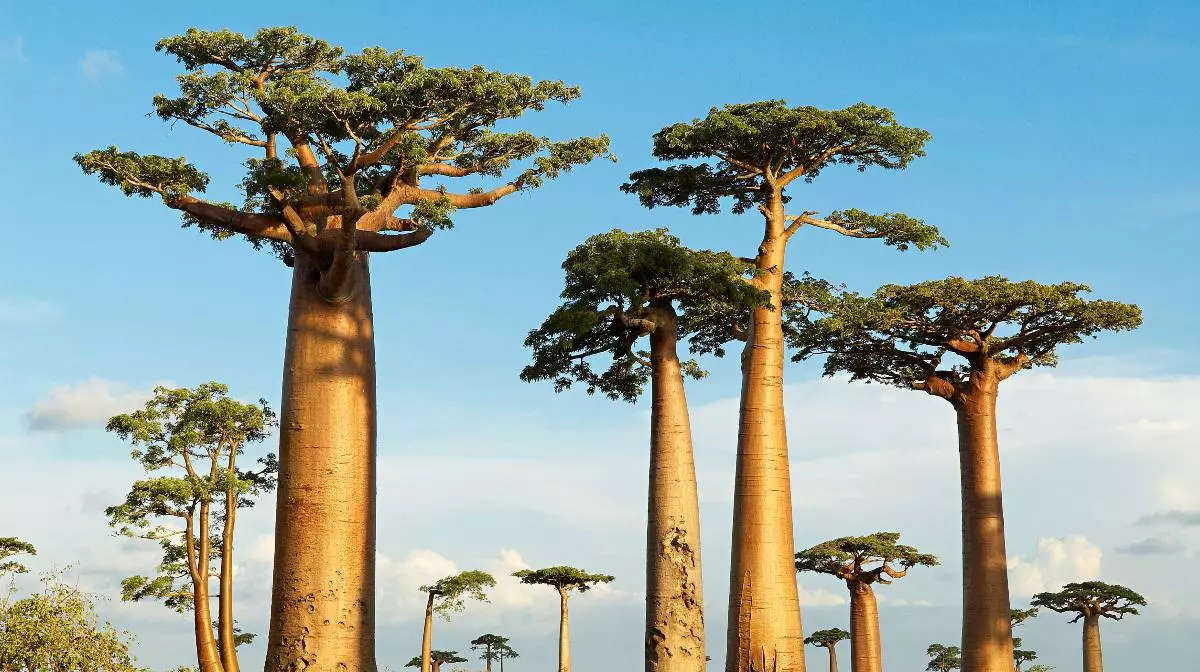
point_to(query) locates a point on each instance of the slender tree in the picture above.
(828, 639)
(621, 287)
(564, 580)
(503, 652)
(994, 328)
(491, 648)
(347, 146)
(12, 546)
(447, 596)
(1040, 668)
(757, 151)
(1021, 656)
(1090, 601)
(189, 442)
(850, 559)
(943, 658)
(436, 661)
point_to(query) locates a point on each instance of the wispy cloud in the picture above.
(1164, 545)
(1174, 517)
(98, 64)
(86, 404)
(13, 49)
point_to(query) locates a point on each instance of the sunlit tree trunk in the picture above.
(427, 635)
(225, 599)
(323, 598)
(764, 631)
(564, 644)
(674, 601)
(1092, 658)
(986, 634)
(833, 658)
(865, 651)
(207, 657)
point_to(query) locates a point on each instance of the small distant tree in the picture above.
(828, 639)
(194, 438)
(436, 660)
(992, 328)
(504, 651)
(862, 562)
(1040, 668)
(12, 546)
(448, 595)
(1090, 601)
(564, 580)
(491, 648)
(943, 658)
(1021, 656)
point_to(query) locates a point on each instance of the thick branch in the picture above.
(247, 223)
(938, 386)
(371, 241)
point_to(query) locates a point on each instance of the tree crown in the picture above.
(1092, 598)
(847, 558)
(942, 658)
(826, 638)
(563, 578)
(437, 658)
(900, 335)
(9, 547)
(1018, 616)
(450, 593)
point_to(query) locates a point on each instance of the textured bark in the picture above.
(427, 634)
(564, 644)
(323, 592)
(225, 599)
(1092, 659)
(674, 599)
(865, 651)
(764, 631)
(833, 658)
(207, 657)
(986, 634)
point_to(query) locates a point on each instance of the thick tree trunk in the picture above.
(225, 599)
(323, 592)
(764, 631)
(833, 658)
(674, 600)
(564, 644)
(207, 657)
(1093, 661)
(865, 651)
(987, 634)
(427, 635)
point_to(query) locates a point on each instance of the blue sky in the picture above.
(1063, 148)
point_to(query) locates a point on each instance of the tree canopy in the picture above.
(438, 658)
(12, 546)
(900, 335)
(490, 644)
(1092, 598)
(611, 282)
(942, 658)
(563, 578)
(826, 638)
(1019, 616)
(847, 558)
(449, 594)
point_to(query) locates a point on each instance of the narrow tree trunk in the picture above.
(487, 660)
(564, 644)
(833, 658)
(865, 651)
(207, 657)
(225, 599)
(987, 633)
(1092, 659)
(427, 635)
(501, 663)
(764, 630)
(323, 592)
(674, 599)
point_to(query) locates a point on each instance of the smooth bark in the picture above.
(1092, 658)
(764, 630)
(865, 651)
(427, 634)
(225, 636)
(323, 589)
(207, 657)
(564, 644)
(986, 633)
(833, 658)
(674, 598)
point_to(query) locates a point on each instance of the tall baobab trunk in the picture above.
(207, 657)
(833, 658)
(865, 651)
(225, 599)
(323, 596)
(564, 644)
(987, 633)
(487, 659)
(1092, 658)
(427, 635)
(674, 601)
(764, 631)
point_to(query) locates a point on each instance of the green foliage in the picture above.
(943, 658)
(1040, 668)
(1092, 598)
(900, 335)
(196, 435)
(505, 652)
(450, 593)
(896, 229)
(438, 658)
(1018, 616)
(57, 629)
(847, 557)
(10, 546)
(143, 175)
(826, 638)
(563, 578)
(1022, 656)
(613, 283)
(491, 645)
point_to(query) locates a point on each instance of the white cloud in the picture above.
(98, 63)
(88, 404)
(25, 312)
(1057, 562)
(819, 597)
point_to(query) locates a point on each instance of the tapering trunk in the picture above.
(564, 644)
(865, 652)
(1092, 659)
(674, 600)
(986, 634)
(225, 599)
(323, 592)
(833, 658)
(208, 659)
(501, 663)
(487, 660)
(427, 635)
(764, 630)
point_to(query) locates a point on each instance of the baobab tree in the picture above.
(188, 441)
(1090, 601)
(491, 648)
(436, 660)
(621, 288)
(12, 546)
(850, 559)
(993, 328)
(564, 580)
(447, 596)
(943, 658)
(356, 154)
(504, 651)
(1021, 656)
(757, 151)
(828, 639)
